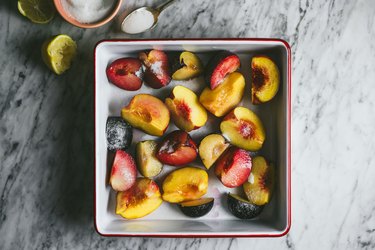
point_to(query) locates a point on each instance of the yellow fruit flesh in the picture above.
(192, 69)
(184, 184)
(147, 113)
(147, 163)
(185, 74)
(195, 203)
(270, 76)
(261, 182)
(140, 210)
(231, 129)
(186, 111)
(210, 148)
(225, 96)
(142, 199)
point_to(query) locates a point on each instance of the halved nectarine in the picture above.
(147, 113)
(186, 111)
(124, 171)
(219, 66)
(261, 181)
(233, 167)
(184, 184)
(244, 129)
(140, 200)
(225, 96)
(265, 79)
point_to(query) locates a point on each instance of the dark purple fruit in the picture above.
(197, 208)
(241, 208)
(119, 134)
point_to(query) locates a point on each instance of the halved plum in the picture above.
(119, 133)
(157, 69)
(210, 149)
(148, 164)
(126, 73)
(177, 149)
(242, 208)
(197, 208)
(219, 66)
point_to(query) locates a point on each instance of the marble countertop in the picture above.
(46, 128)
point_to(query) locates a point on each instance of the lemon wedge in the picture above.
(38, 11)
(58, 53)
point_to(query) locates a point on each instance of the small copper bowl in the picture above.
(71, 20)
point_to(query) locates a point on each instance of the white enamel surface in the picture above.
(167, 219)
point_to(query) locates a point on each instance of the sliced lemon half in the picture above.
(38, 11)
(58, 53)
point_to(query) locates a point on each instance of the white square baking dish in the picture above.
(167, 221)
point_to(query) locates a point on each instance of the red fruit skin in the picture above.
(219, 66)
(157, 69)
(177, 149)
(124, 171)
(125, 73)
(233, 167)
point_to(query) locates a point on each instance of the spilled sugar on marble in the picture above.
(88, 11)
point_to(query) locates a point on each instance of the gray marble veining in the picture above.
(46, 123)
